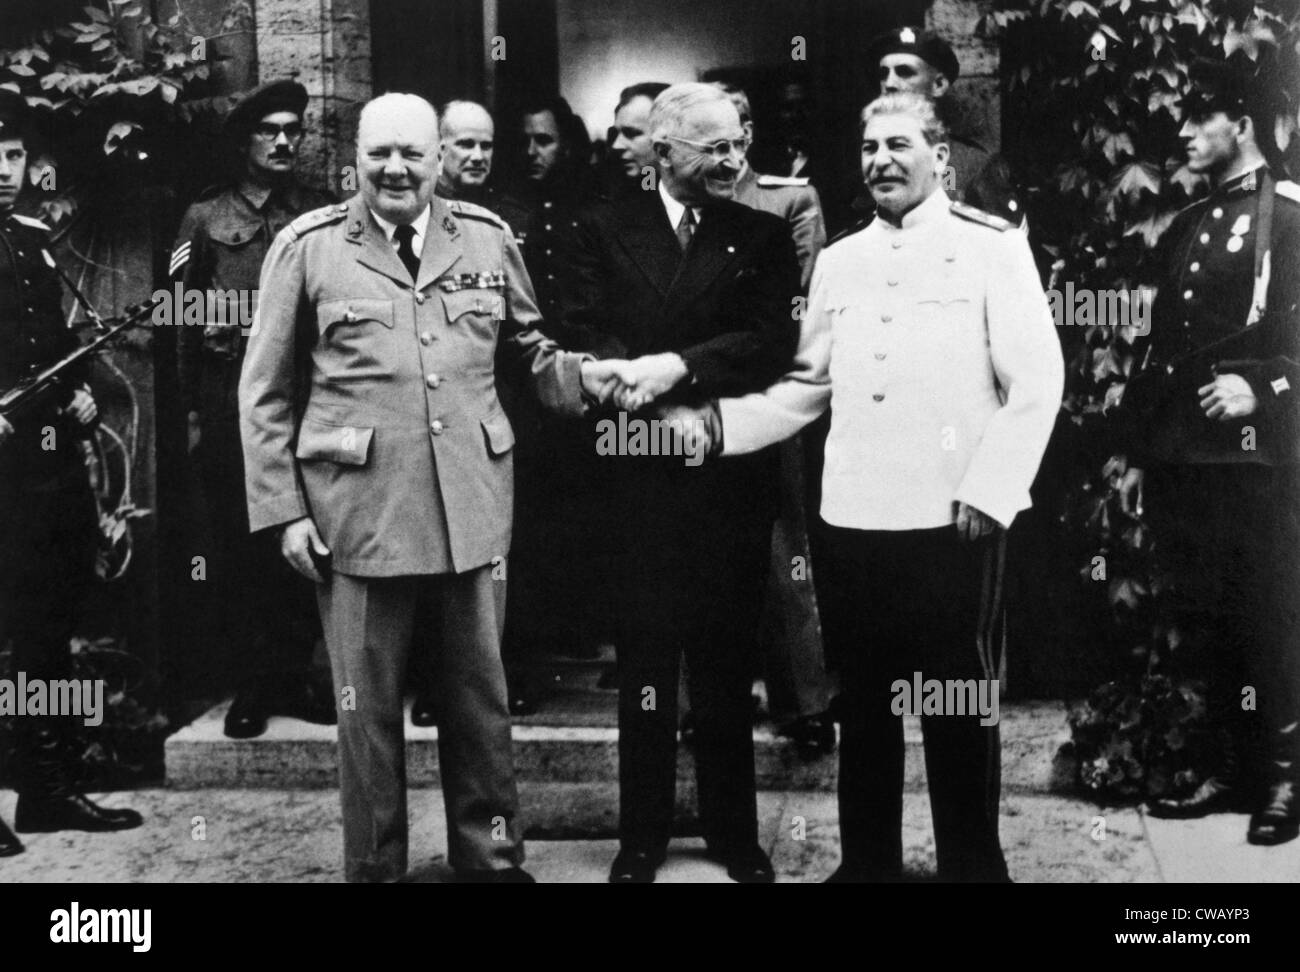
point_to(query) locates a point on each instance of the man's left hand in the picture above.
(82, 407)
(1228, 397)
(972, 524)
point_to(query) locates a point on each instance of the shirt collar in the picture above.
(675, 208)
(420, 224)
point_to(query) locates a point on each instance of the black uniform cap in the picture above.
(15, 115)
(263, 101)
(929, 47)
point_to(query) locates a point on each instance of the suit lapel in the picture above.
(650, 241)
(716, 242)
(443, 244)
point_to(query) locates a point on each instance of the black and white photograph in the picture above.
(651, 441)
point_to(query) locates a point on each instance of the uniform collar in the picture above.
(926, 213)
(257, 195)
(420, 224)
(1245, 183)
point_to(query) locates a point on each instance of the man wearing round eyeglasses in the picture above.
(699, 290)
(267, 612)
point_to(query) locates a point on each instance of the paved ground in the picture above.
(295, 836)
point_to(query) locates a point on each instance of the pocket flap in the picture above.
(461, 302)
(346, 444)
(500, 436)
(234, 231)
(338, 313)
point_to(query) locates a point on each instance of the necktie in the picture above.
(686, 229)
(404, 235)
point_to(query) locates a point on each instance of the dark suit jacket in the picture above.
(728, 309)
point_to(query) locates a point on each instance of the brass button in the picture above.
(1205, 237)
(1187, 295)
(897, 244)
(892, 283)
(886, 318)
(878, 398)
(433, 381)
(426, 339)
(436, 428)
(350, 316)
(419, 298)
(880, 356)
(1218, 212)
(1194, 267)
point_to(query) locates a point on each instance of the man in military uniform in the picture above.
(468, 142)
(223, 239)
(930, 330)
(377, 449)
(795, 674)
(907, 59)
(48, 528)
(1212, 446)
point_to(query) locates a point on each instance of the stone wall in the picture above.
(977, 89)
(324, 46)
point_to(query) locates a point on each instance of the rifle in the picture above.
(40, 385)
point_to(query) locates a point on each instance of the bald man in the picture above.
(467, 139)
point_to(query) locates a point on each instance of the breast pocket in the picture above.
(356, 339)
(478, 311)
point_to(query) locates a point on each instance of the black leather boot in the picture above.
(1279, 820)
(9, 842)
(48, 797)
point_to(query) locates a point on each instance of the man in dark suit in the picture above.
(700, 289)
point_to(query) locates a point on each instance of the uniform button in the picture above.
(436, 428)
(1205, 237)
(949, 259)
(897, 244)
(877, 398)
(548, 204)
(26, 281)
(1169, 369)
(426, 338)
(1194, 267)
(350, 316)
(886, 318)
(549, 252)
(419, 298)
(1218, 212)
(550, 276)
(433, 381)
(1187, 324)
(548, 226)
(1187, 295)
(880, 357)
(892, 283)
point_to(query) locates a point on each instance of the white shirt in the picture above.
(419, 224)
(675, 209)
(934, 342)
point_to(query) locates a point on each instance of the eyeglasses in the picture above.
(270, 132)
(721, 149)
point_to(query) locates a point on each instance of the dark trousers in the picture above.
(1229, 537)
(694, 595)
(269, 610)
(47, 565)
(895, 603)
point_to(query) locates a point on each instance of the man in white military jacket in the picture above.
(929, 335)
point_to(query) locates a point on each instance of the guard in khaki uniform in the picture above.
(374, 439)
(930, 330)
(223, 239)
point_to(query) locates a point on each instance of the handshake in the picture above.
(632, 385)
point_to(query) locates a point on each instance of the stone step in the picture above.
(296, 755)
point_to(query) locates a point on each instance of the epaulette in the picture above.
(774, 181)
(317, 218)
(1288, 189)
(33, 223)
(969, 212)
(473, 211)
(855, 228)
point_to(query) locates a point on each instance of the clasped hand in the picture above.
(633, 385)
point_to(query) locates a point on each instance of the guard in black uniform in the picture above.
(1214, 446)
(222, 241)
(48, 515)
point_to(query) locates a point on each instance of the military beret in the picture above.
(15, 115)
(263, 101)
(929, 47)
